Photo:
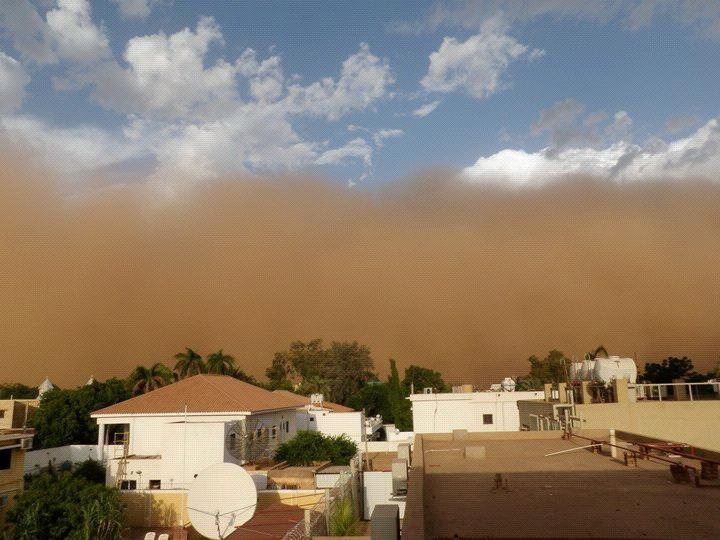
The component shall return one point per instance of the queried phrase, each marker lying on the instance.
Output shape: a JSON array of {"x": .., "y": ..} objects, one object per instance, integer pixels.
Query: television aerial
[
  {"x": 221, "y": 498},
  {"x": 247, "y": 440}
]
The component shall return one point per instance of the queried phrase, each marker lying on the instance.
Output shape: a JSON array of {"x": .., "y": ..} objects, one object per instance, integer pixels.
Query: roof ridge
[{"x": 223, "y": 391}]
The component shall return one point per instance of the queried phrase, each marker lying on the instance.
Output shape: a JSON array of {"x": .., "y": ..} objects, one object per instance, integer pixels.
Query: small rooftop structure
[
  {"x": 45, "y": 386},
  {"x": 307, "y": 401}
]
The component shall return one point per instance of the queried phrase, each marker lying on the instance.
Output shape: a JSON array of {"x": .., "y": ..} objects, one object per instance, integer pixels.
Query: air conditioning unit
[
  {"x": 316, "y": 399},
  {"x": 399, "y": 476},
  {"x": 427, "y": 390},
  {"x": 26, "y": 444}
]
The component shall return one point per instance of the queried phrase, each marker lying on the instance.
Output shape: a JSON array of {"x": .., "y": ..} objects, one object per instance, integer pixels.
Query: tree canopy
[
  {"x": 66, "y": 505},
  {"x": 18, "y": 391},
  {"x": 311, "y": 446},
  {"x": 338, "y": 372},
  {"x": 143, "y": 379},
  {"x": 419, "y": 377},
  {"x": 63, "y": 416},
  {"x": 668, "y": 370},
  {"x": 189, "y": 363}
]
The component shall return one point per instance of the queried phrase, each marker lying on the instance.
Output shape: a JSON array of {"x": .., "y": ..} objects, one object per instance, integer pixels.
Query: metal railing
[
  {"x": 681, "y": 391},
  {"x": 342, "y": 497}
]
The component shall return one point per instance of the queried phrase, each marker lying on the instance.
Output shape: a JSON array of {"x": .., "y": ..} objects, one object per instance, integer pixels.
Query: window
[
  {"x": 154, "y": 484},
  {"x": 2, "y": 413},
  {"x": 5, "y": 459},
  {"x": 4, "y": 501},
  {"x": 287, "y": 426},
  {"x": 487, "y": 419},
  {"x": 128, "y": 484}
]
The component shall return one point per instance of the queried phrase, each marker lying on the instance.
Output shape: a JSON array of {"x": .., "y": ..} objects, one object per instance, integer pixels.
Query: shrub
[{"x": 309, "y": 446}]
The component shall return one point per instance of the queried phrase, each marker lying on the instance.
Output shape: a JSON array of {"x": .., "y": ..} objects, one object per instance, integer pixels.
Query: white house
[
  {"x": 316, "y": 414},
  {"x": 163, "y": 439},
  {"x": 473, "y": 411}
]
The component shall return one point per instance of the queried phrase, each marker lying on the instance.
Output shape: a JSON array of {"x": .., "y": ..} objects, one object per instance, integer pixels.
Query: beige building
[
  {"x": 13, "y": 445},
  {"x": 14, "y": 413},
  {"x": 679, "y": 412}
]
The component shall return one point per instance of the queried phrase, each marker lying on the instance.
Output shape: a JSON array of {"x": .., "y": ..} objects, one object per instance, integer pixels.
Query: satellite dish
[{"x": 221, "y": 498}]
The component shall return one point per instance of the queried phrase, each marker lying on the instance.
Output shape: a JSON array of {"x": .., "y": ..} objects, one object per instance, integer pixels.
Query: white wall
[
  {"x": 442, "y": 413},
  {"x": 377, "y": 488},
  {"x": 333, "y": 423},
  {"x": 173, "y": 450},
  {"x": 75, "y": 453}
]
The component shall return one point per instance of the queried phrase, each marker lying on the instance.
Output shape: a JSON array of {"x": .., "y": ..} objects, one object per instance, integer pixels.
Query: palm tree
[
  {"x": 189, "y": 363},
  {"x": 600, "y": 351},
  {"x": 220, "y": 363},
  {"x": 143, "y": 380}
]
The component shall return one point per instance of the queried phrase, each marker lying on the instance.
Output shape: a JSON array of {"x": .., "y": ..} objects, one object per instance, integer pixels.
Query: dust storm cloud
[{"x": 467, "y": 280}]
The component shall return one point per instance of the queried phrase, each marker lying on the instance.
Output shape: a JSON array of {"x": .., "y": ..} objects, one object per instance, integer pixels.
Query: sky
[
  {"x": 173, "y": 92},
  {"x": 457, "y": 184}
]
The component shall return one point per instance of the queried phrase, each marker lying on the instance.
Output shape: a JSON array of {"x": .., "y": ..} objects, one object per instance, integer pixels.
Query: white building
[
  {"x": 473, "y": 411},
  {"x": 176, "y": 431},
  {"x": 316, "y": 414}
]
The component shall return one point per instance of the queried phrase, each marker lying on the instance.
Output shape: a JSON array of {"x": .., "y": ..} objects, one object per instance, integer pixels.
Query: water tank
[
  {"x": 608, "y": 369},
  {"x": 508, "y": 384}
]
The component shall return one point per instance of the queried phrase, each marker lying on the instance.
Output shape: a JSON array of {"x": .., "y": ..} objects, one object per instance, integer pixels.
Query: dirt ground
[{"x": 577, "y": 494}]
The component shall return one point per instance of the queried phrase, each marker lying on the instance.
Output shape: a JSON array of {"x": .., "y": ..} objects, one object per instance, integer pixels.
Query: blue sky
[{"x": 515, "y": 92}]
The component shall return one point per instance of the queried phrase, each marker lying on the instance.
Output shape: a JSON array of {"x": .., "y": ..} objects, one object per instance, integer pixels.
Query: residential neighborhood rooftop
[
  {"x": 305, "y": 401},
  {"x": 203, "y": 394}
]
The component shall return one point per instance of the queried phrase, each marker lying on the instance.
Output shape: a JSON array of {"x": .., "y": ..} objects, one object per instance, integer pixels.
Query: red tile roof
[
  {"x": 304, "y": 401},
  {"x": 203, "y": 394}
]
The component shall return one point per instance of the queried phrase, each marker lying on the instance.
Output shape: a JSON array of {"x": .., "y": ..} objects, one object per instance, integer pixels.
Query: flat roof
[{"x": 574, "y": 494}]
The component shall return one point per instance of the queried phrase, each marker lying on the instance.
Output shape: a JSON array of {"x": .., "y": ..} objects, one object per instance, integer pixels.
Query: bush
[
  {"x": 310, "y": 446},
  {"x": 60, "y": 505},
  {"x": 91, "y": 470}
]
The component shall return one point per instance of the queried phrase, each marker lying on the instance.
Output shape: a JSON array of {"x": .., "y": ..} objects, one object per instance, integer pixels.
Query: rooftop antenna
[{"x": 222, "y": 498}]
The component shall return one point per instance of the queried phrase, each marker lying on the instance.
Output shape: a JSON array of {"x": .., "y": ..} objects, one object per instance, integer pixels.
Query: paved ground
[{"x": 577, "y": 494}]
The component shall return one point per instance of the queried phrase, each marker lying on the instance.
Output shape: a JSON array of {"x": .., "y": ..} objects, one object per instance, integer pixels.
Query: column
[{"x": 101, "y": 443}]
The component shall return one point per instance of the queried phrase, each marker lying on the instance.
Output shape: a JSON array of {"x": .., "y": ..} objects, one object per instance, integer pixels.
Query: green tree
[
  {"x": 63, "y": 416},
  {"x": 338, "y": 372},
  {"x": 551, "y": 369},
  {"x": 63, "y": 505},
  {"x": 418, "y": 377},
  {"x": 220, "y": 363},
  {"x": 240, "y": 374},
  {"x": 311, "y": 446},
  {"x": 189, "y": 363},
  {"x": 18, "y": 391},
  {"x": 143, "y": 379},
  {"x": 668, "y": 370},
  {"x": 374, "y": 399},
  {"x": 400, "y": 405}
]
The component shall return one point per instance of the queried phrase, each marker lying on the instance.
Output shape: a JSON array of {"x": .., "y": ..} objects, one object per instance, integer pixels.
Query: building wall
[
  {"x": 169, "y": 449},
  {"x": 73, "y": 453},
  {"x": 377, "y": 489},
  {"x": 442, "y": 413},
  {"x": 691, "y": 422},
  {"x": 11, "y": 480},
  {"x": 13, "y": 412},
  {"x": 333, "y": 423}
]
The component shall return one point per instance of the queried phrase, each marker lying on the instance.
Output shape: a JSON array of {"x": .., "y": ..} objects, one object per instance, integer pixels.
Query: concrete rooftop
[{"x": 578, "y": 494}]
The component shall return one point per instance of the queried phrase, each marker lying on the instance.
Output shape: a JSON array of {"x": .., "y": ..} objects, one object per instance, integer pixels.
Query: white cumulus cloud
[
  {"x": 134, "y": 8},
  {"x": 695, "y": 156},
  {"x": 424, "y": 110},
  {"x": 13, "y": 80},
  {"x": 356, "y": 149},
  {"x": 381, "y": 135},
  {"x": 475, "y": 65}
]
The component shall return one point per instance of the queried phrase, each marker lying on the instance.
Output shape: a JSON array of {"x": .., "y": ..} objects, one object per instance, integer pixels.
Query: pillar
[
  {"x": 613, "y": 442},
  {"x": 681, "y": 391},
  {"x": 101, "y": 443},
  {"x": 548, "y": 392},
  {"x": 562, "y": 392},
  {"x": 621, "y": 390},
  {"x": 586, "y": 394}
]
